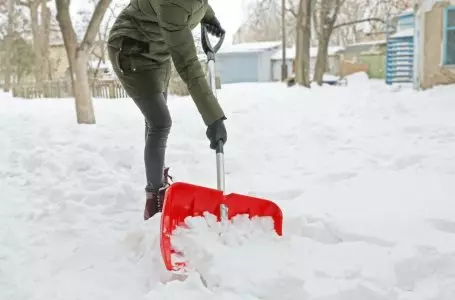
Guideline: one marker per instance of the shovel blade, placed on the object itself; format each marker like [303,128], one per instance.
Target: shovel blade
[187,200]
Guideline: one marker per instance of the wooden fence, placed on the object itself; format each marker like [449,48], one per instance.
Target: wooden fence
[348,68]
[62,89]
[108,89]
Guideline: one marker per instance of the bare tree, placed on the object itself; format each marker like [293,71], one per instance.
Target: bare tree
[78,55]
[264,23]
[325,14]
[354,15]
[16,54]
[326,19]
[303,30]
[19,61]
[98,52]
[40,23]
[9,46]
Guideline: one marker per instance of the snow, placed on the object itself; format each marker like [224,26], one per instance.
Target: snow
[406,12]
[364,174]
[368,43]
[217,251]
[403,33]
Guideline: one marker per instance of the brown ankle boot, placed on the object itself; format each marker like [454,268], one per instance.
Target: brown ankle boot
[155,199]
[154,202]
[151,205]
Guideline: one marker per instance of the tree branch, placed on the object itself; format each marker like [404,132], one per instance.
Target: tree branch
[95,22]
[66,27]
[23,3]
[290,10]
[359,21]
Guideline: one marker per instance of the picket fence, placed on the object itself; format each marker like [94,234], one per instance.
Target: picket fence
[62,89]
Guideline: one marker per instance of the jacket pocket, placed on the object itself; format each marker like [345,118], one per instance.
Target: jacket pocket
[115,53]
[124,63]
[131,51]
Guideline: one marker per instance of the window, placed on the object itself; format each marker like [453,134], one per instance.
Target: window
[449,36]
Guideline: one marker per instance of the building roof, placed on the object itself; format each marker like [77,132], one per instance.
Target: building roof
[403,33]
[369,43]
[249,47]
[291,52]
[363,47]
[406,12]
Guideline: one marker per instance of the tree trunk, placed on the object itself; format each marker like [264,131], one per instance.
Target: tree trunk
[77,65]
[9,46]
[37,46]
[78,55]
[81,89]
[321,59]
[325,23]
[303,43]
[45,31]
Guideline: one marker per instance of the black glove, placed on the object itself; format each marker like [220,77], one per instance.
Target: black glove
[216,132]
[213,27]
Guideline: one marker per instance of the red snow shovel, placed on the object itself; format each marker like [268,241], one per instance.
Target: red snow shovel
[184,200]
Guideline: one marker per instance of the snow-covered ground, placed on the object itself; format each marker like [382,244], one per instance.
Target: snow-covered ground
[365,175]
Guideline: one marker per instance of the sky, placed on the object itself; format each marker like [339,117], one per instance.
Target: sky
[231,13]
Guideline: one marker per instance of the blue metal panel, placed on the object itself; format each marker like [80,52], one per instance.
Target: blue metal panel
[400,60]
[238,67]
[406,21]
[445,59]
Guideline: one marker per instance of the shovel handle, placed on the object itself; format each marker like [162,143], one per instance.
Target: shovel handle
[207,46]
[220,166]
[224,210]
[210,51]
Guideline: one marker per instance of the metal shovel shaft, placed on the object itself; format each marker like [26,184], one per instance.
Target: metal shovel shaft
[221,182]
[211,75]
[210,52]
[219,149]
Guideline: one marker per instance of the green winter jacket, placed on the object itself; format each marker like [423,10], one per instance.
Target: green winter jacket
[166,25]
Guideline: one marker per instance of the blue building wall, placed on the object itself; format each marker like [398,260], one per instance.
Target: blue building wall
[400,52]
[405,21]
[238,67]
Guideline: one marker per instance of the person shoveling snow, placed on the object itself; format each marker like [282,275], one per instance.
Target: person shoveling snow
[144,37]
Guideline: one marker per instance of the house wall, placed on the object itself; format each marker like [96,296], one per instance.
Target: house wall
[347,68]
[370,63]
[265,68]
[405,21]
[238,67]
[376,64]
[333,67]
[432,71]
[276,69]
[59,60]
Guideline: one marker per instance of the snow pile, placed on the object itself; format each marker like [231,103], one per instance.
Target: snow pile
[242,256]
[358,78]
[364,177]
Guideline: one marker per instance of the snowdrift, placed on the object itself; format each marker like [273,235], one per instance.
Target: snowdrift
[364,176]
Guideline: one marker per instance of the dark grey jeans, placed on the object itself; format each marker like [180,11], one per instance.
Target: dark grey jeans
[151,102]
